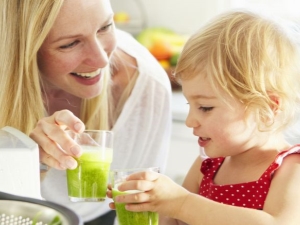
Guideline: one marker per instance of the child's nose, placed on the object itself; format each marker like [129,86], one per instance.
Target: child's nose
[191,120]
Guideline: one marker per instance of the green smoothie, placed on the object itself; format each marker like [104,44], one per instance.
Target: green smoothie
[133,218]
[88,182]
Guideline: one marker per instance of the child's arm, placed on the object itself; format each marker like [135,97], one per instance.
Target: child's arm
[170,199]
[191,183]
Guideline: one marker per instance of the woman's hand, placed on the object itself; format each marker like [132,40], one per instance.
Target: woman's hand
[109,195]
[160,194]
[57,149]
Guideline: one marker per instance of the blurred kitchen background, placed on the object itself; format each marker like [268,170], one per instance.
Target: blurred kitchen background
[163,26]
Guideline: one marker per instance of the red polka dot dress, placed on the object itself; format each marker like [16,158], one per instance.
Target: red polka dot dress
[251,194]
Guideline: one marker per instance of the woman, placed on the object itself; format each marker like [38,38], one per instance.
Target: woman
[55,75]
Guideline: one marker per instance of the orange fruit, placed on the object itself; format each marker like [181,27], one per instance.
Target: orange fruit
[161,50]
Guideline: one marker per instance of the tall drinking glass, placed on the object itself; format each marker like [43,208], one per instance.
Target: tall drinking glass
[127,217]
[88,182]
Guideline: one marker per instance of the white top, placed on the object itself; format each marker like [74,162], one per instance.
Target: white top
[142,131]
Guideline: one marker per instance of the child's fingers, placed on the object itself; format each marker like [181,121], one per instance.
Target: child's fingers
[138,207]
[134,198]
[139,185]
[145,175]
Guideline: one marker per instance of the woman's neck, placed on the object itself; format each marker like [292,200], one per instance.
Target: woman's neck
[57,99]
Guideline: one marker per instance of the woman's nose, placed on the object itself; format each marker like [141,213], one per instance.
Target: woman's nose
[97,55]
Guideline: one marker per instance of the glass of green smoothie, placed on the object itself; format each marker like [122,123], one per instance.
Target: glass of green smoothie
[127,217]
[88,182]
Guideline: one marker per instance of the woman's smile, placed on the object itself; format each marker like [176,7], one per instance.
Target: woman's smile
[88,78]
[88,75]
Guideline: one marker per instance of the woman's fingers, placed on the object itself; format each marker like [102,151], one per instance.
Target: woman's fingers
[66,119]
[50,161]
[51,153]
[112,205]
[58,139]
[54,128]
[56,147]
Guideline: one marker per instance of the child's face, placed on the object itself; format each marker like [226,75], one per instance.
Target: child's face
[222,130]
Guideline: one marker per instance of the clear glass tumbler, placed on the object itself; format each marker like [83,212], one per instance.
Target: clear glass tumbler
[88,182]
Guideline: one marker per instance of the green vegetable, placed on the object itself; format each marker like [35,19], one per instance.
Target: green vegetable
[56,221]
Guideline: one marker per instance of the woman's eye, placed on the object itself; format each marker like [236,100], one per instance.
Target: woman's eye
[206,109]
[105,28]
[69,45]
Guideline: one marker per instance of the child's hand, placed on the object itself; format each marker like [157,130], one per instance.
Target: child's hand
[109,195]
[160,194]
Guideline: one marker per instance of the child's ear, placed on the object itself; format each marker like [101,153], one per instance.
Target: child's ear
[275,102]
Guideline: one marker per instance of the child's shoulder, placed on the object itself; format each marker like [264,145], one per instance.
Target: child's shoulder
[293,152]
[284,159]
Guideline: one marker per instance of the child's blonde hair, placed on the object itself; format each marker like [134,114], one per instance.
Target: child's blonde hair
[252,59]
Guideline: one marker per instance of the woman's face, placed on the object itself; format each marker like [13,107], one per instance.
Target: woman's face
[78,47]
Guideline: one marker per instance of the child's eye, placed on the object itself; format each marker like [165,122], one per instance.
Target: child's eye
[69,45]
[206,109]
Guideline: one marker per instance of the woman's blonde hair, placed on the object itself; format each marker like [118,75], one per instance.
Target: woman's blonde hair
[252,59]
[23,28]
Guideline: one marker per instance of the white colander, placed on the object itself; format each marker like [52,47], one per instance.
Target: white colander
[17,210]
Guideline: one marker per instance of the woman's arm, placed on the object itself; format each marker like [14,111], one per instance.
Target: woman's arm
[143,128]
